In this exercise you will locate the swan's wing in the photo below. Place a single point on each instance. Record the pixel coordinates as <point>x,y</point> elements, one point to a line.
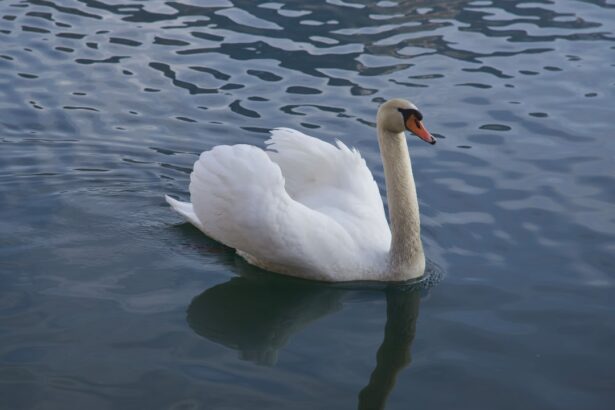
<point>332,179</point>
<point>239,198</point>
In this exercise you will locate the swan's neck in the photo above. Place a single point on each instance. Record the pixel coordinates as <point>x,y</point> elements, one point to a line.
<point>406,256</point>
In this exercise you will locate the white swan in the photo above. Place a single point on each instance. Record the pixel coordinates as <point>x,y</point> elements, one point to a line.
<point>310,209</point>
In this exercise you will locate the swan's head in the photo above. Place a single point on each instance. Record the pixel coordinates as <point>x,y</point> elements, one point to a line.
<point>398,115</point>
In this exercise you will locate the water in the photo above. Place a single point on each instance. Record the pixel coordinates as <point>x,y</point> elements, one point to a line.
<point>108,300</point>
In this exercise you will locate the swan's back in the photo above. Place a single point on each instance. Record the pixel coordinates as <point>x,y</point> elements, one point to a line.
<point>304,207</point>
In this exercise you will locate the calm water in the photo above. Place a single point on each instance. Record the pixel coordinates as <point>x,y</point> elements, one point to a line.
<point>109,301</point>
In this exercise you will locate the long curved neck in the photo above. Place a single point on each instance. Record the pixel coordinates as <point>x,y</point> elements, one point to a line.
<point>406,256</point>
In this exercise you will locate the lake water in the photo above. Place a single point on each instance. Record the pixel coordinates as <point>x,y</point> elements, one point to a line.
<point>109,301</point>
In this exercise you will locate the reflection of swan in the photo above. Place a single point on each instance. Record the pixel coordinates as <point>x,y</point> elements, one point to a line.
<point>310,209</point>
<point>394,352</point>
<point>257,316</point>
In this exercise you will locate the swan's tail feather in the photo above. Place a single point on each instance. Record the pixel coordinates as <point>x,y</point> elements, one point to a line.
<point>186,210</point>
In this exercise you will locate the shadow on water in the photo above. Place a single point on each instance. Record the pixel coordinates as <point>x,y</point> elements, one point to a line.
<point>257,313</point>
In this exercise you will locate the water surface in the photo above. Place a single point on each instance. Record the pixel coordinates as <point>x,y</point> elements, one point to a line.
<point>108,300</point>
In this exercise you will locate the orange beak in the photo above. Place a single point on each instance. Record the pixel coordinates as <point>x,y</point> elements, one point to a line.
<point>417,128</point>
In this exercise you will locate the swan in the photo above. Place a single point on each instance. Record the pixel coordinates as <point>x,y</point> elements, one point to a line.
<point>310,209</point>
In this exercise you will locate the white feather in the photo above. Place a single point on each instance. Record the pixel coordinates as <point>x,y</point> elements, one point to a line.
<point>304,207</point>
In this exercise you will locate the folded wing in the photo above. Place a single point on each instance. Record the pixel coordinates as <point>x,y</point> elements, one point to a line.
<point>304,206</point>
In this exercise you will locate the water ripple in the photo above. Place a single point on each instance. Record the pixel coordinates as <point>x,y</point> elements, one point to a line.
<point>106,105</point>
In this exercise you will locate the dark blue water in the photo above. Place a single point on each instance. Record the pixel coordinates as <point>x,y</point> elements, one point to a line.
<point>109,301</point>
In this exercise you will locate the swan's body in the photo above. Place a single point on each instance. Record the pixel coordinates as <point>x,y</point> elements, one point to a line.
<point>310,209</point>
